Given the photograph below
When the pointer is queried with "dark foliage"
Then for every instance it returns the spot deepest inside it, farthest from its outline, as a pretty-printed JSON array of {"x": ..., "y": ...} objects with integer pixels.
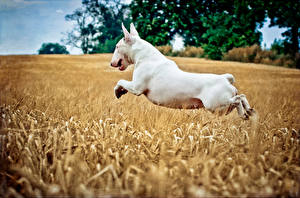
[
  {"x": 97, "y": 26},
  {"x": 52, "y": 48}
]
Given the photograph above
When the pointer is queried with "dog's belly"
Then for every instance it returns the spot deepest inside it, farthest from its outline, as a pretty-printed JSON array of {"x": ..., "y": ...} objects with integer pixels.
[
  {"x": 191, "y": 103},
  {"x": 177, "y": 103}
]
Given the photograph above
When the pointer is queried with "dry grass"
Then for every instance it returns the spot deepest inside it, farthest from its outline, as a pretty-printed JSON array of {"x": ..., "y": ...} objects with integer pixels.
[
  {"x": 165, "y": 49},
  {"x": 254, "y": 54},
  {"x": 64, "y": 133},
  {"x": 192, "y": 51},
  {"x": 188, "y": 51}
]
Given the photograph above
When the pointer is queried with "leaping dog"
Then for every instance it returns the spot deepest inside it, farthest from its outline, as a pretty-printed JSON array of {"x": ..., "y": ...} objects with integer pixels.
[{"x": 163, "y": 83}]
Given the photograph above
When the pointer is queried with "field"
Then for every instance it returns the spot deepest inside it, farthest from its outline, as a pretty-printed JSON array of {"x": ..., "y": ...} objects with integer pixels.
[{"x": 63, "y": 133}]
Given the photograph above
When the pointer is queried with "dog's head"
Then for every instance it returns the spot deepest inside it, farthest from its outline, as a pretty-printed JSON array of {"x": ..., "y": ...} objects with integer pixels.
[{"x": 122, "y": 54}]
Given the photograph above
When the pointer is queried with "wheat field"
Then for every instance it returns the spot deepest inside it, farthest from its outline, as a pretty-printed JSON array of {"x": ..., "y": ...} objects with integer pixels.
[{"x": 63, "y": 133}]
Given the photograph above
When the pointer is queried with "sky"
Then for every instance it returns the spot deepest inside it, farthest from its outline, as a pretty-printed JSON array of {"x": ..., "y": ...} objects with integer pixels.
[{"x": 26, "y": 24}]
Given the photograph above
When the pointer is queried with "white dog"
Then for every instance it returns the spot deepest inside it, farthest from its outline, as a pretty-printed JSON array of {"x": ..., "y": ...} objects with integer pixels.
[{"x": 163, "y": 83}]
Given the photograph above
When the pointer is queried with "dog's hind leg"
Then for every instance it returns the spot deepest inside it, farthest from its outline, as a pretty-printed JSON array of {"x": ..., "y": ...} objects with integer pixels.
[
  {"x": 236, "y": 102},
  {"x": 230, "y": 108},
  {"x": 250, "y": 111}
]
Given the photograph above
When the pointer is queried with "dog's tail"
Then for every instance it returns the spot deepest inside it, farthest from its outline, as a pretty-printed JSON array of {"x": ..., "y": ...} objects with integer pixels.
[{"x": 229, "y": 77}]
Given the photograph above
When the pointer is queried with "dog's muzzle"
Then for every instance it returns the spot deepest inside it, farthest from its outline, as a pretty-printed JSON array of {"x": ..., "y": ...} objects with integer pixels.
[{"x": 119, "y": 63}]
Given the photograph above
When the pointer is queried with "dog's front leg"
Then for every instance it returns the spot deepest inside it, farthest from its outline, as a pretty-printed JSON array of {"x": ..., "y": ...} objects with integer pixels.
[
  {"x": 123, "y": 86},
  {"x": 119, "y": 91}
]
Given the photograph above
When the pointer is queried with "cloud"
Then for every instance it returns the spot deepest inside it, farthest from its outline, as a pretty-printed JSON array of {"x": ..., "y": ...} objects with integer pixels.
[{"x": 59, "y": 11}]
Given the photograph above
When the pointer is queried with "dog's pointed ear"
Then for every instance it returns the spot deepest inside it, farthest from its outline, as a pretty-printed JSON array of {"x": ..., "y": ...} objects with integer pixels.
[
  {"x": 127, "y": 36},
  {"x": 133, "y": 31}
]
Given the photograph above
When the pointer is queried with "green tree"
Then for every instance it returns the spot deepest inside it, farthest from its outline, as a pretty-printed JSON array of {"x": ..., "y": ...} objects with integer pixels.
[
  {"x": 153, "y": 19},
  {"x": 188, "y": 19},
  {"x": 82, "y": 35},
  {"x": 234, "y": 27},
  {"x": 98, "y": 25},
  {"x": 286, "y": 14},
  {"x": 278, "y": 46},
  {"x": 220, "y": 35},
  {"x": 52, "y": 48},
  {"x": 216, "y": 25},
  {"x": 161, "y": 20},
  {"x": 232, "y": 24}
]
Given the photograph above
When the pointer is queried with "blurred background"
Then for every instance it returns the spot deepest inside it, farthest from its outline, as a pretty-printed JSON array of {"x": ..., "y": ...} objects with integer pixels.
[{"x": 238, "y": 30}]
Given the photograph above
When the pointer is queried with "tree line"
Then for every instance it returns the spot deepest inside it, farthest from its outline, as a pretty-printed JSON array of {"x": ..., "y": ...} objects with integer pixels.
[{"x": 216, "y": 25}]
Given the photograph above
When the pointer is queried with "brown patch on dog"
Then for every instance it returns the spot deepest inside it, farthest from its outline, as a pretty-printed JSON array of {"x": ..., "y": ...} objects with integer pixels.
[
  {"x": 146, "y": 92},
  {"x": 194, "y": 103}
]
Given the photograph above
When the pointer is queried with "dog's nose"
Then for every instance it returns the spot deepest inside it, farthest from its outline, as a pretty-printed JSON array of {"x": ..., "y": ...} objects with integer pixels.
[{"x": 111, "y": 64}]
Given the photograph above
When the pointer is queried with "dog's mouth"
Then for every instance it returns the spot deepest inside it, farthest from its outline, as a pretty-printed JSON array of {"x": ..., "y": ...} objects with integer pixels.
[
  {"x": 120, "y": 66},
  {"x": 119, "y": 63}
]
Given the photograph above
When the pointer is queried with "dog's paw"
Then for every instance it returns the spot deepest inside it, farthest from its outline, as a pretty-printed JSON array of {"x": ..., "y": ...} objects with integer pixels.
[
  {"x": 119, "y": 91},
  {"x": 251, "y": 112},
  {"x": 245, "y": 116}
]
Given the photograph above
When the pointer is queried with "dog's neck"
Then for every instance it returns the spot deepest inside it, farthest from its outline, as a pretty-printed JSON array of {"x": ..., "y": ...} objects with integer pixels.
[{"x": 142, "y": 51}]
